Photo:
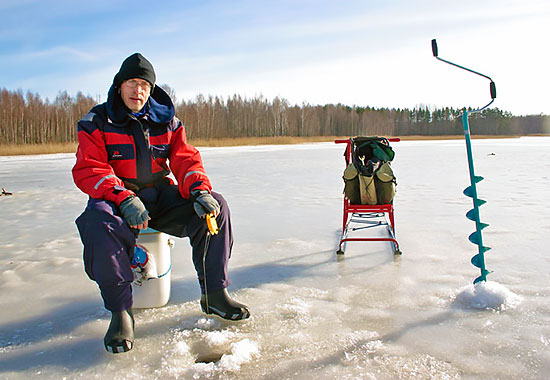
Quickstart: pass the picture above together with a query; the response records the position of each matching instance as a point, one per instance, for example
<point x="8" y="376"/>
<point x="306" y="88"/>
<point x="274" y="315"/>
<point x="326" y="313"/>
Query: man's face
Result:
<point x="134" y="93"/>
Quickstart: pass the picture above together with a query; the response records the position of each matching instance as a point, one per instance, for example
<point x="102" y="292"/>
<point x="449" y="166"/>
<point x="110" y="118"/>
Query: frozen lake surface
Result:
<point x="369" y="315"/>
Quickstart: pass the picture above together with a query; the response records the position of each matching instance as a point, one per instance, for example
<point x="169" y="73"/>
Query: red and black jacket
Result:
<point x="119" y="153"/>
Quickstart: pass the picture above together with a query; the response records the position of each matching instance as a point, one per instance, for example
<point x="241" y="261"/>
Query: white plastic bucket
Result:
<point x="155" y="292"/>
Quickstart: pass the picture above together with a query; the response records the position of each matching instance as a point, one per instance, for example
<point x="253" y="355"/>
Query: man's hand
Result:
<point x="204" y="203"/>
<point x="134" y="213"/>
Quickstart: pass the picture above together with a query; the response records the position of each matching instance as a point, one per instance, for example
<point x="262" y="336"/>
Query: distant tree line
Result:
<point x="27" y="119"/>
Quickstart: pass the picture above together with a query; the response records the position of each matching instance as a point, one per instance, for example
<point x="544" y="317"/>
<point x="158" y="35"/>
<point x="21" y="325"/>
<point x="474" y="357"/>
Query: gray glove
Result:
<point x="204" y="203"/>
<point x="133" y="211"/>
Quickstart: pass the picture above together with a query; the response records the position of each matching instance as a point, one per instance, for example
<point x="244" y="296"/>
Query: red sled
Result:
<point x="366" y="216"/>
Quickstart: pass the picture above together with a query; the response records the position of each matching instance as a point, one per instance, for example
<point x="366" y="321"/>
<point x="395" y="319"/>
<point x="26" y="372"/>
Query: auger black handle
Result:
<point x="493" y="88"/>
<point x="434" y="47"/>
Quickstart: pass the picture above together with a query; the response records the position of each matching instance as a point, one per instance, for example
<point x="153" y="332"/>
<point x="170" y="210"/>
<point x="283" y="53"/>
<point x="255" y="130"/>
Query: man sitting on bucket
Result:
<point x="121" y="163"/>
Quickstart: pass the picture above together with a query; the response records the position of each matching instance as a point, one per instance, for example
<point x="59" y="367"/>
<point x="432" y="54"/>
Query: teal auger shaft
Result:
<point x="471" y="191"/>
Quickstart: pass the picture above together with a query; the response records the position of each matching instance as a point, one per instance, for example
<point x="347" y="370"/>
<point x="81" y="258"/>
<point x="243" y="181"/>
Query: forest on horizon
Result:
<point x="25" y="118"/>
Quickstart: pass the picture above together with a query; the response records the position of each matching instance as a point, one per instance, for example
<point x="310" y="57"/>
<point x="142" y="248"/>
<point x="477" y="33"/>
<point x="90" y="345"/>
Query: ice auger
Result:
<point x="471" y="191"/>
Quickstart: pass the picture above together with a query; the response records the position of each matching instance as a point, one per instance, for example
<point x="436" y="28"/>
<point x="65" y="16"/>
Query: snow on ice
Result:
<point x="487" y="295"/>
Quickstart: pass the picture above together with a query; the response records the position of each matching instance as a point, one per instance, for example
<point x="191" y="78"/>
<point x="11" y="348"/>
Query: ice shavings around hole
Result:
<point x="216" y="338"/>
<point x="181" y="348"/>
<point x="10" y="279"/>
<point x="241" y="352"/>
<point x="205" y="323"/>
<point x="486" y="295"/>
<point x="201" y="351"/>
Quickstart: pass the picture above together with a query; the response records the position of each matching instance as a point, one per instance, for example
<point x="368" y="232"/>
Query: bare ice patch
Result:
<point x="486" y="295"/>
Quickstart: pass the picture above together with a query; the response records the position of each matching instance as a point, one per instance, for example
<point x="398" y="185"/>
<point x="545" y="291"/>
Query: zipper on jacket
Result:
<point x="144" y="170"/>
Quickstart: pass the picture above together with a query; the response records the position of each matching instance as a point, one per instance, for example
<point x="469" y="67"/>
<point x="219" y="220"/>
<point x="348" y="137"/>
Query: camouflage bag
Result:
<point x="359" y="189"/>
<point x="351" y="184"/>
<point x="385" y="184"/>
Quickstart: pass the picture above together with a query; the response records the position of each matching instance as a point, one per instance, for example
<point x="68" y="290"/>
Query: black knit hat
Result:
<point x="135" y="66"/>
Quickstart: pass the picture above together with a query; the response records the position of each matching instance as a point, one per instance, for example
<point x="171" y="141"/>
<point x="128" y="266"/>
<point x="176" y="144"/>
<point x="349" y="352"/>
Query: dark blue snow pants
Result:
<point x="109" y="241"/>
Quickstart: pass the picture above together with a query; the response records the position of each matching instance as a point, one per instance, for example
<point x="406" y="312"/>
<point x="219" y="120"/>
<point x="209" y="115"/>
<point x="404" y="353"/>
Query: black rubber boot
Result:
<point x="120" y="335"/>
<point x="220" y="304"/>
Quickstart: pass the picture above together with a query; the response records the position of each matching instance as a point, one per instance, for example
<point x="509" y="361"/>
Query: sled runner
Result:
<point x="369" y="189"/>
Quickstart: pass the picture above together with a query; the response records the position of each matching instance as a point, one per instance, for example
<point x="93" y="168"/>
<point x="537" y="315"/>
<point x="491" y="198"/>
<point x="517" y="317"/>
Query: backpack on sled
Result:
<point x="369" y="188"/>
<point x="368" y="177"/>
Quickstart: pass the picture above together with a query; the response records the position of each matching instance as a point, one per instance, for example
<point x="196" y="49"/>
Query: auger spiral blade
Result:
<point x="483" y="225"/>
<point x="479" y="202"/>
<point x="477" y="260"/>
<point x="476" y="237"/>
<point x="473" y="215"/>
<point x="469" y="192"/>
<point x="483" y="276"/>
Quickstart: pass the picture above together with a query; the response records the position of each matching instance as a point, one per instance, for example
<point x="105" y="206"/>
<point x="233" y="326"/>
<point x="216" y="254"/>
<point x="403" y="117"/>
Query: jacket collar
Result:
<point x="161" y="109"/>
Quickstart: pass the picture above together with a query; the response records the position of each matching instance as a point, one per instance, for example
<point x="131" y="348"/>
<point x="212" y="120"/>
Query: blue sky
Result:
<point x="367" y="53"/>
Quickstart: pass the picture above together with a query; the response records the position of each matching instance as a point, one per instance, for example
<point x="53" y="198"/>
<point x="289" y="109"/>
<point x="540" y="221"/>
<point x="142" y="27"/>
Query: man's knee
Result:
<point x="108" y="243"/>
<point x="224" y="207"/>
<point x="100" y="206"/>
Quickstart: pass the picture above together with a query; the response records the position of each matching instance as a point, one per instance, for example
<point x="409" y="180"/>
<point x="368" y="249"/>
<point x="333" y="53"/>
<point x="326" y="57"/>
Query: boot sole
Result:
<point x="119" y="347"/>
<point x="222" y="315"/>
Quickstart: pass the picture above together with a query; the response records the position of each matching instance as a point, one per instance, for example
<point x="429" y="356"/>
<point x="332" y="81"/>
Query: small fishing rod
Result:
<point x="213" y="229"/>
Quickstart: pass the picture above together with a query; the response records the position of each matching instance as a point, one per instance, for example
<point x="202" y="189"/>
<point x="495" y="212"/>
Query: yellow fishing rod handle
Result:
<point x="212" y="224"/>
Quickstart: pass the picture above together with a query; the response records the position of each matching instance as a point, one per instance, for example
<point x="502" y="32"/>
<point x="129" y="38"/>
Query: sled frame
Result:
<point x="366" y="215"/>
